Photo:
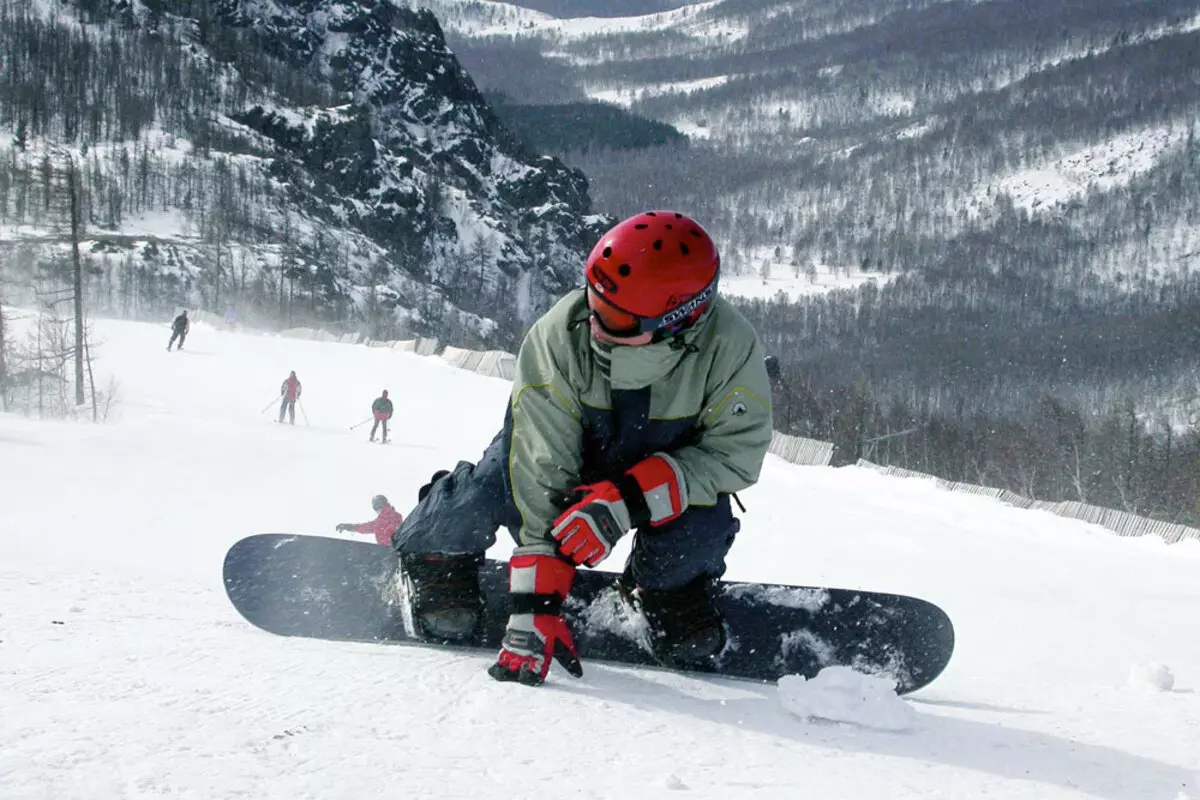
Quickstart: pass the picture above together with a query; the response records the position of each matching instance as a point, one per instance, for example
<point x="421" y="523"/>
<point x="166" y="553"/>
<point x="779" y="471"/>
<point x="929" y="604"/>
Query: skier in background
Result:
<point x="382" y="409"/>
<point x="383" y="526"/>
<point x="289" y="390"/>
<point x="640" y="403"/>
<point x="179" y="329"/>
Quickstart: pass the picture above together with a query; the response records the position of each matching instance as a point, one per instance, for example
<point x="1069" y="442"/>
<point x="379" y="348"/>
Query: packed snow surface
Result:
<point x="125" y="672"/>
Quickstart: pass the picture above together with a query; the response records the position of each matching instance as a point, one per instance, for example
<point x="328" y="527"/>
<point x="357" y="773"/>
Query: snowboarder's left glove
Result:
<point x="345" y="526"/>
<point x="538" y="584"/>
<point x="652" y="492"/>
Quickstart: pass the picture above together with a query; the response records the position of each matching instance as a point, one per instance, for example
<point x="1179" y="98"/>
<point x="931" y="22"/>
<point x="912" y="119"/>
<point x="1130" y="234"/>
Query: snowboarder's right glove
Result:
<point x="345" y="526"/>
<point x="538" y="584"/>
<point x="652" y="491"/>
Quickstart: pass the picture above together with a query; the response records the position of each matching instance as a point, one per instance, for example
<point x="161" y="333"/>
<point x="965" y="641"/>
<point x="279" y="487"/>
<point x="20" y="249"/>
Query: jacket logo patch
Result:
<point x="738" y="409"/>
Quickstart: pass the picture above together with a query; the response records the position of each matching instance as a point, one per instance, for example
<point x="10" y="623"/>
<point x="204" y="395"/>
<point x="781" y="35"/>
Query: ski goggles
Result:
<point x="619" y="322"/>
<point x="613" y="320"/>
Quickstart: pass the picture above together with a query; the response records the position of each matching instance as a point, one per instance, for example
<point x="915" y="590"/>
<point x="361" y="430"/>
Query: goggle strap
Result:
<point x="672" y="317"/>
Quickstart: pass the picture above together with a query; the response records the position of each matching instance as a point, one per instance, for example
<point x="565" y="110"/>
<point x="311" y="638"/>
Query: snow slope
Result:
<point x="124" y="672"/>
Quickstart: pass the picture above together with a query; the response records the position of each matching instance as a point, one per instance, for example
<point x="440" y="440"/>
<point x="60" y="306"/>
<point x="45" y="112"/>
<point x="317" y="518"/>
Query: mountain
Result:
<point x="300" y="160"/>
<point x="1005" y="195"/>
<point x="845" y="132"/>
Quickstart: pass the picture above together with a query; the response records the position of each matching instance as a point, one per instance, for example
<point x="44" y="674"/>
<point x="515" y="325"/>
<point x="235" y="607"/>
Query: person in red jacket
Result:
<point x="289" y="390"/>
<point x="383" y="526"/>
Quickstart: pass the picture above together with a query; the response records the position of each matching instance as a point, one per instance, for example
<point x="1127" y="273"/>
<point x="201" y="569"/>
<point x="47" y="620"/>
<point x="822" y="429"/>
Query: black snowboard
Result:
<point x="325" y="588"/>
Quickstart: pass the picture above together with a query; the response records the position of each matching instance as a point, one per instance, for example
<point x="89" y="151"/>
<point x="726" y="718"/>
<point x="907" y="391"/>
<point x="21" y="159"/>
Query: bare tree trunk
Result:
<point x="41" y="405"/>
<point x="1077" y="477"/>
<point x="73" y="193"/>
<point x="216" y="304"/>
<point x="1131" y="464"/>
<point x="92" y="383"/>
<point x="3" y="367"/>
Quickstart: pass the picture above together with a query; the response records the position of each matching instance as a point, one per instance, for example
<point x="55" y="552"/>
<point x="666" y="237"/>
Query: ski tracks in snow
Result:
<point x="125" y="673"/>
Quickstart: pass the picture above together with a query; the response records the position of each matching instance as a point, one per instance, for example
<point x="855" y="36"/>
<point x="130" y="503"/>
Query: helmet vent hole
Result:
<point x="607" y="252"/>
<point x="670" y="227"/>
<point x="641" y="226"/>
<point x="658" y="244"/>
<point x="695" y="233"/>
<point x="683" y="248"/>
<point x="624" y="270"/>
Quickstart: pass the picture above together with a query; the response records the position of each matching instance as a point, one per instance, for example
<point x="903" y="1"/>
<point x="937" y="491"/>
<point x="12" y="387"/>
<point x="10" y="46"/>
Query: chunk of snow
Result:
<point x="1151" y="677"/>
<point x="674" y="783"/>
<point x="840" y="694"/>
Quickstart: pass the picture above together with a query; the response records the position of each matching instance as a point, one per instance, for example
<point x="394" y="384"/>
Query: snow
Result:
<point x="483" y="18"/>
<point x="626" y="96"/>
<point x="693" y="129"/>
<point x="1152" y="676"/>
<point x="1114" y="164"/>
<point x="839" y="694"/>
<point x="795" y="282"/>
<point x="125" y="672"/>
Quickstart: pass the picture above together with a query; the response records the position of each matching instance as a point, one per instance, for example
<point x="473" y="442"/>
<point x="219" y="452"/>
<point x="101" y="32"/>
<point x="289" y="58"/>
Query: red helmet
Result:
<point x="654" y="272"/>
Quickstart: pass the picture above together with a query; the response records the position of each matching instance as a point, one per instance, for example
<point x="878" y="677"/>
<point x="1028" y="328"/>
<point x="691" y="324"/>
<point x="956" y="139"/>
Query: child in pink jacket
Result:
<point x="383" y="526"/>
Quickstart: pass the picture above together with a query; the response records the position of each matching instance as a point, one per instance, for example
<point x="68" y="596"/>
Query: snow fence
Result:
<point x="420" y="346"/>
<point x="493" y="363"/>
<point x="798" y="450"/>
<point x="1121" y="523"/>
<point x="318" y="335"/>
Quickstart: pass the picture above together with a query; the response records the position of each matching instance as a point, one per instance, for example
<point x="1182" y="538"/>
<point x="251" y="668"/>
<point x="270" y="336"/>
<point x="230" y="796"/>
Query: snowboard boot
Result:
<point x="437" y="476"/>
<point x="444" y="593"/>
<point x="685" y="625"/>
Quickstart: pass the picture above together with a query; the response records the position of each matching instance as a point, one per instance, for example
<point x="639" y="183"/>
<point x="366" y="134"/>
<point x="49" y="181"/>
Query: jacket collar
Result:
<point x="639" y="367"/>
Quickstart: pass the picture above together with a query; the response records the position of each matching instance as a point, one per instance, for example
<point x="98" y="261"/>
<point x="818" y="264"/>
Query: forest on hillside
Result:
<point x="108" y="94"/>
<point x="1053" y="357"/>
<point x="1005" y="358"/>
<point x="581" y="126"/>
<point x="197" y="148"/>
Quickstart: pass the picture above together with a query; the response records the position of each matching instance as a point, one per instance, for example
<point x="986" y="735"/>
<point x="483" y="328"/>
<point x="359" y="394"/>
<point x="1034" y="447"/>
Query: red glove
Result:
<point x="652" y="491"/>
<point x="538" y="582"/>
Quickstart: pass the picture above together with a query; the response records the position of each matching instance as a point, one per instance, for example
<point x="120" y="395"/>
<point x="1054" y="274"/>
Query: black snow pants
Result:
<point x="464" y="508"/>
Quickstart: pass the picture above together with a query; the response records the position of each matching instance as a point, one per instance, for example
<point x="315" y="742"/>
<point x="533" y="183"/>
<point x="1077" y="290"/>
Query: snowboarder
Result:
<point x="289" y="390"/>
<point x="640" y="403"/>
<point x="382" y="409"/>
<point x="180" y="327"/>
<point x="383" y="526"/>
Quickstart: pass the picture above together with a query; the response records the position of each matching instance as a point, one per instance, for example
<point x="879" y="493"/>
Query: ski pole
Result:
<point x="360" y="424"/>
<point x="268" y="405"/>
<point x="302" y="414"/>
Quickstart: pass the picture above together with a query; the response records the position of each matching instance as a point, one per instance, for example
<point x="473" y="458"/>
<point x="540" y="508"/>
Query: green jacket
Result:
<point x="716" y="389"/>
<point x="382" y="405"/>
